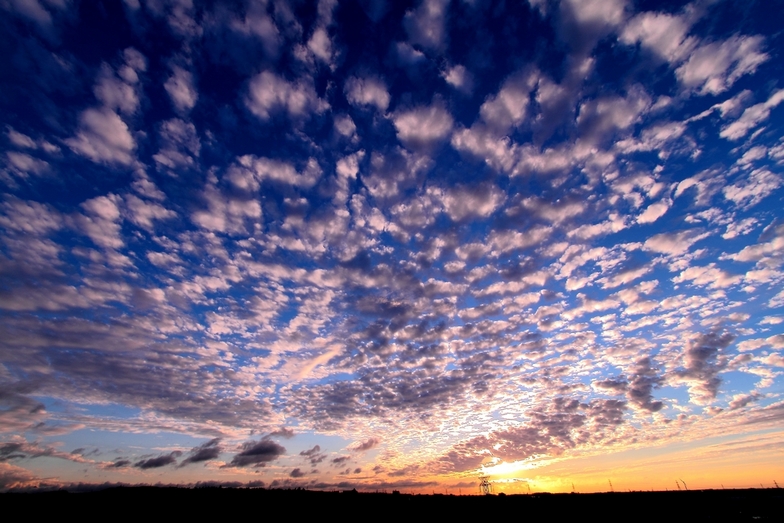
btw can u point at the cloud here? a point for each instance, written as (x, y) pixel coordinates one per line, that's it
(283, 432)
(26, 164)
(102, 221)
(407, 55)
(20, 140)
(654, 211)
(144, 213)
(772, 246)
(224, 213)
(481, 201)
(584, 22)
(752, 117)
(33, 10)
(204, 452)
(367, 91)
(13, 477)
(362, 446)
(115, 93)
(268, 93)
(508, 108)
(181, 89)
(713, 68)
(426, 24)
(674, 244)
(600, 117)
(702, 365)
(422, 127)
(459, 77)
(753, 189)
(662, 33)
(552, 430)
(311, 452)
(103, 137)
(158, 462)
(250, 171)
(345, 126)
(320, 45)
(257, 453)
(180, 146)
(257, 23)
(710, 276)
(640, 390)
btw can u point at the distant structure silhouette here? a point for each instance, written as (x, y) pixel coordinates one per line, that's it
(485, 487)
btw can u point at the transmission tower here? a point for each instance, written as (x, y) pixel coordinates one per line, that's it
(485, 487)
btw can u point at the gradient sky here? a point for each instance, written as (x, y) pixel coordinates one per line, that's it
(384, 245)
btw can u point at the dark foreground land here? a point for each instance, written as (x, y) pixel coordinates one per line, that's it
(158, 503)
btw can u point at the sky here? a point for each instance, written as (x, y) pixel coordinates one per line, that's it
(392, 245)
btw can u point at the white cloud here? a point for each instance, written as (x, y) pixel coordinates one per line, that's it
(144, 213)
(225, 214)
(345, 126)
(708, 184)
(259, 24)
(180, 145)
(26, 164)
(423, 126)
(29, 217)
(320, 45)
(103, 137)
(346, 169)
(772, 248)
(268, 93)
(31, 9)
(20, 140)
(181, 89)
(554, 212)
(102, 221)
(673, 243)
(367, 91)
(623, 277)
(509, 107)
(407, 55)
(657, 137)
(459, 77)
(597, 12)
(136, 61)
(750, 191)
(597, 118)
(752, 117)
(662, 33)
(710, 276)
(116, 94)
(741, 228)
(655, 211)
(614, 223)
(464, 201)
(584, 22)
(249, 171)
(499, 153)
(753, 154)
(714, 67)
(425, 25)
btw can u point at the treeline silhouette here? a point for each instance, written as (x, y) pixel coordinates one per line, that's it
(165, 502)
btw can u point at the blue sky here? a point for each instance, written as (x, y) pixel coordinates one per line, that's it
(388, 244)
